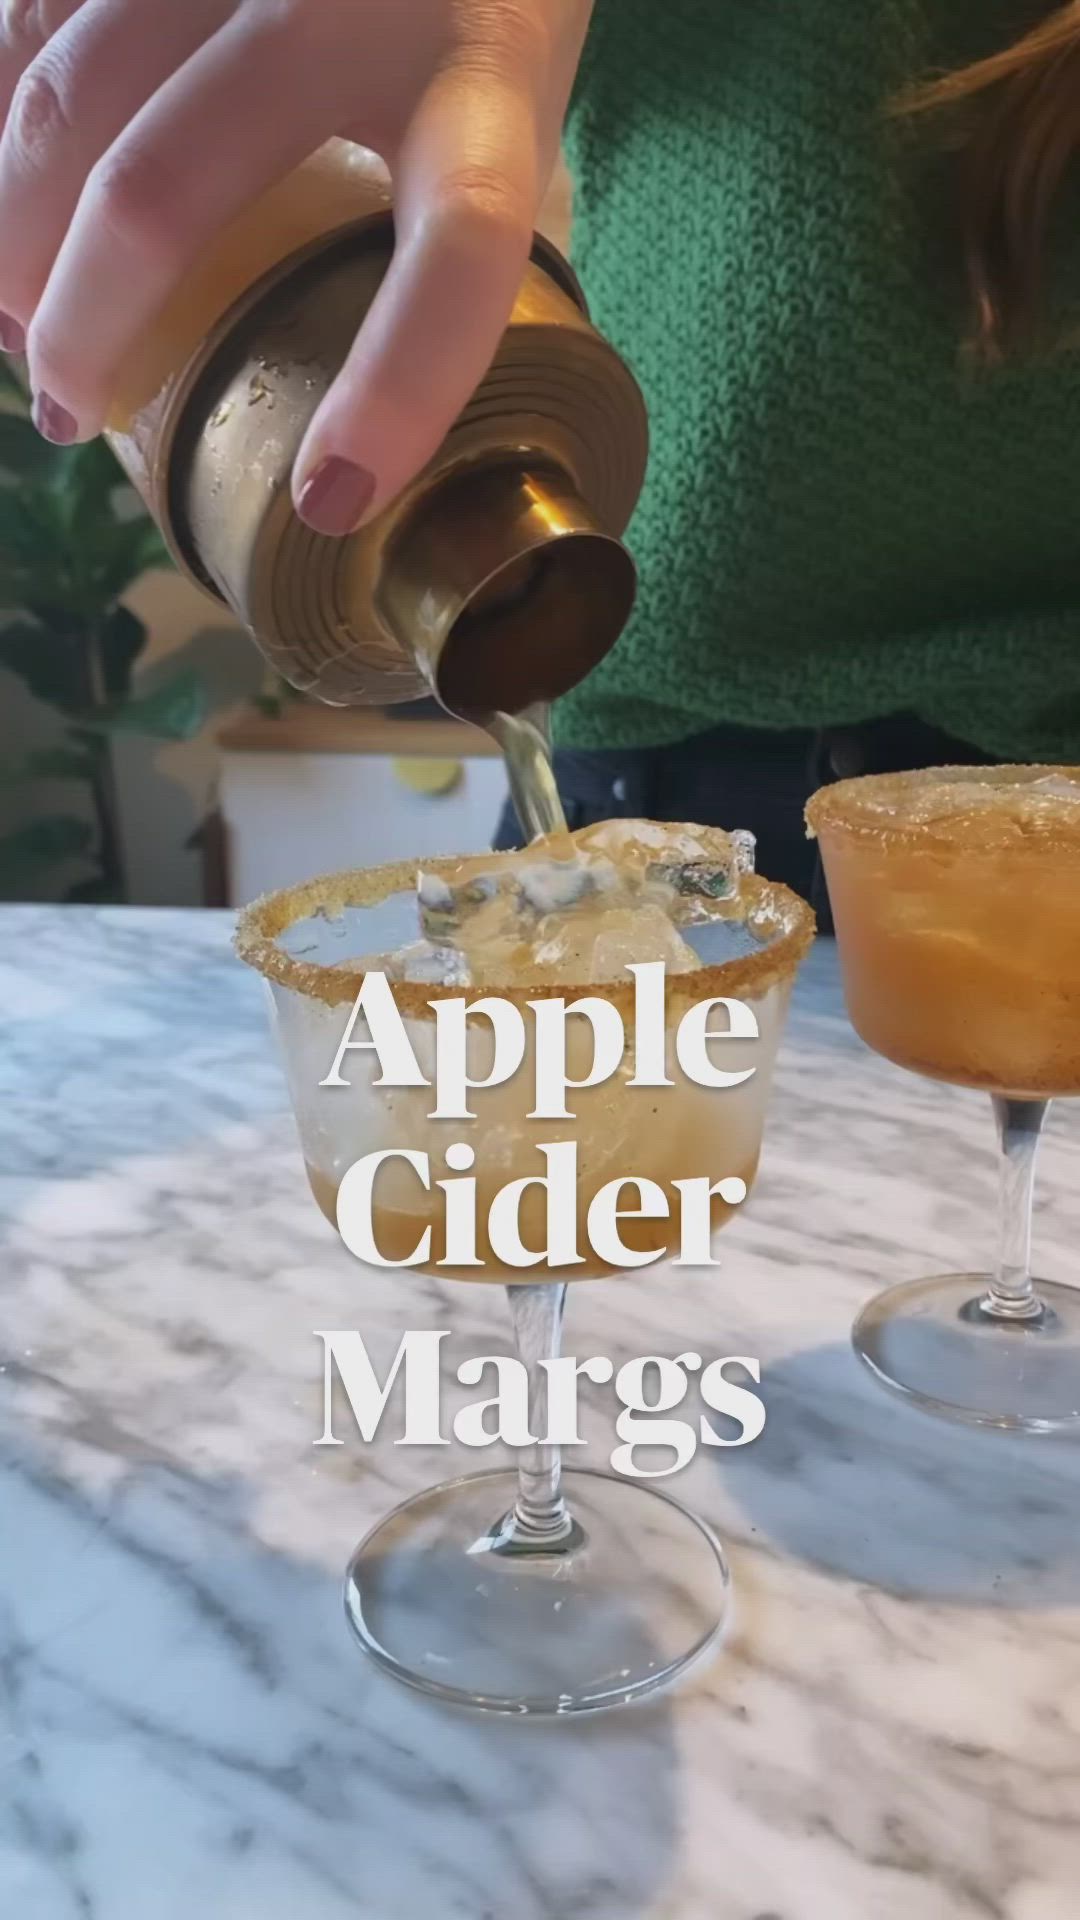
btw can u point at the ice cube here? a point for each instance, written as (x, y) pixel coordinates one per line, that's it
(634, 845)
(444, 908)
(598, 945)
(696, 879)
(744, 846)
(695, 890)
(433, 965)
(434, 895)
(548, 885)
(542, 917)
(635, 936)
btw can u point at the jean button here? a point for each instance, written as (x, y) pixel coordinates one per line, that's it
(618, 792)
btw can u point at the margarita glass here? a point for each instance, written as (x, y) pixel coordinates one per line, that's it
(535, 1591)
(956, 898)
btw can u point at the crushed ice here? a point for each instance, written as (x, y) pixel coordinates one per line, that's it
(628, 892)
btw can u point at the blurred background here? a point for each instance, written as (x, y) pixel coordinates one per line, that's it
(147, 754)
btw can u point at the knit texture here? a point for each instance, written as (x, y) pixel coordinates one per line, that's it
(843, 518)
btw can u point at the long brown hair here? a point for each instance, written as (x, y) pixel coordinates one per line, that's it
(1016, 145)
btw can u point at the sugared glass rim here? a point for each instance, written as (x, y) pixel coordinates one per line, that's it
(773, 907)
(871, 808)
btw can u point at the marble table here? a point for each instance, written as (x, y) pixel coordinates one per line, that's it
(892, 1729)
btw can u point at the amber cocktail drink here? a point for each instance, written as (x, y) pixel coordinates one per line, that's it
(535, 1591)
(956, 899)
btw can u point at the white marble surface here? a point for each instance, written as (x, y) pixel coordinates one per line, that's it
(892, 1731)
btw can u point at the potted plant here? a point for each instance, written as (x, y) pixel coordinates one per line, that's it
(74, 538)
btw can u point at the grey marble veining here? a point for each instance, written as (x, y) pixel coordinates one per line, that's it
(892, 1730)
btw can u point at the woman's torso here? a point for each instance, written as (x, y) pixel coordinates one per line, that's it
(843, 517)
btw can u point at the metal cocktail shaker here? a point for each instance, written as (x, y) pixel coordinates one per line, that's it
(497, 580)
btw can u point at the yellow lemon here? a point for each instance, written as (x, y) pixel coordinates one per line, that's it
(429, 776)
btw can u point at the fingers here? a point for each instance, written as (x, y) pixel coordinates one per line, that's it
(70, 104)
(200, 151)
(25, 28)
(467, 184)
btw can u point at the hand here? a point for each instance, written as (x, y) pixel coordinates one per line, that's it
(135, 130)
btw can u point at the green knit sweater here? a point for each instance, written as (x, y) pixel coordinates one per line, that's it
(842, 518)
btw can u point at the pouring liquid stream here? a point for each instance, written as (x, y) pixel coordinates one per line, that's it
(525, 742)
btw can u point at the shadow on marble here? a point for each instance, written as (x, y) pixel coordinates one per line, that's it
(854, 1482)
(186, 1726)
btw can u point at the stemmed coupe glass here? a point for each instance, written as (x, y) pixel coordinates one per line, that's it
(540, 1590)
(956, 899)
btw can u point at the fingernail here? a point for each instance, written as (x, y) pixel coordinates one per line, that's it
(336, 497)
(53, 421)
(12, 336)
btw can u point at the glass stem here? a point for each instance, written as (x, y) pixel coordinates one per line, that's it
(541, 1521)
(1011, 1295)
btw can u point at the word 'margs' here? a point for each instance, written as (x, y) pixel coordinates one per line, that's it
(388, 1036)
(509, 1415)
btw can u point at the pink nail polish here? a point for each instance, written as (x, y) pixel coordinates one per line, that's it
(53, 421)
(12, 336)
(337, 496)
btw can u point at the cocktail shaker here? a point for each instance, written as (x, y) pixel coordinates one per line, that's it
(498, 579)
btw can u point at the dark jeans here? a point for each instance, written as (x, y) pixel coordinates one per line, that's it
(744, 777)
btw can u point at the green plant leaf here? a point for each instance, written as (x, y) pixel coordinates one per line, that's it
(40, 573)
(83, 489)
(121, 638)
(57, 763)
(61, 763)
(56, 836)
(24, 455)
(12, 389)
(176, 710)
(120, 553)
(50, 763)
(41, 844)
(30, 528)
(84, 479)
(70, 546)
(47, 662)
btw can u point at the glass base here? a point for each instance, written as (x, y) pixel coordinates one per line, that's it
(932, 1341)
(640, 1593)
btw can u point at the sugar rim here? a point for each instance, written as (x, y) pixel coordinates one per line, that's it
(859, 807)
(259, 927)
